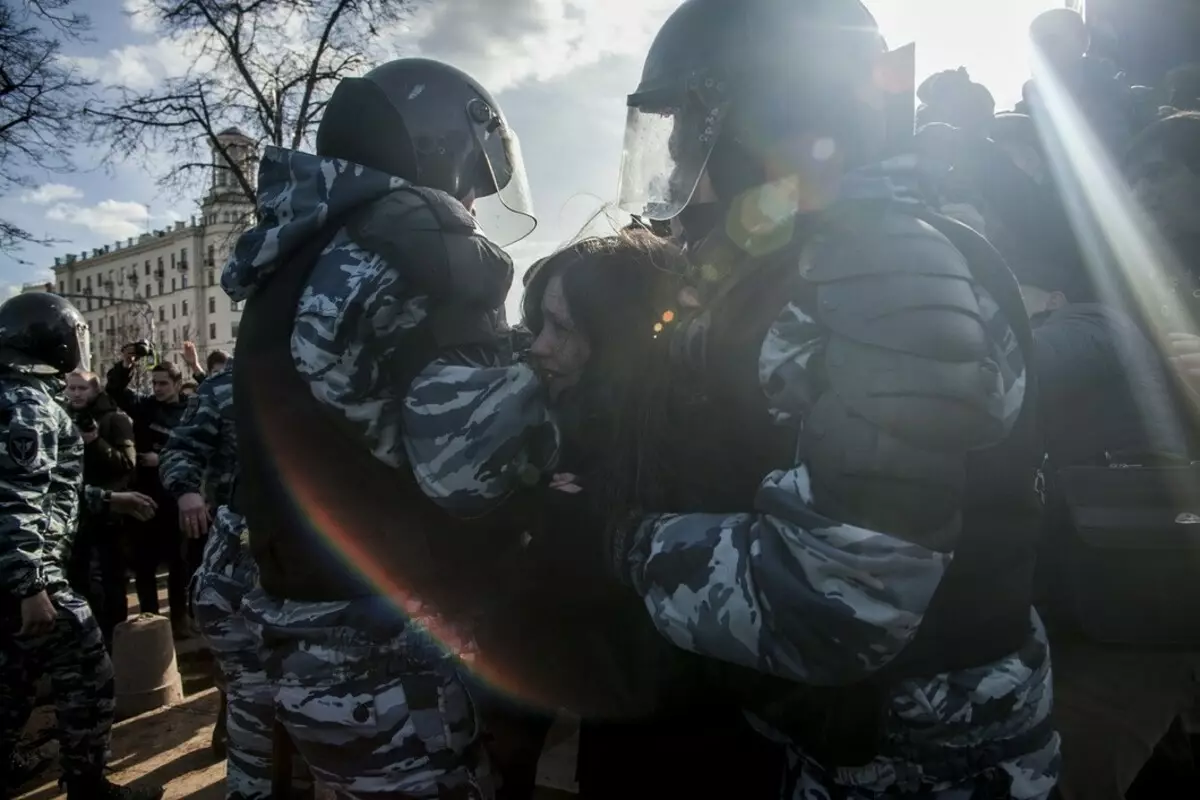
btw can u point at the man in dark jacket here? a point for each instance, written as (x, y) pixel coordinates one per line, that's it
(154, 416)
(109, 459)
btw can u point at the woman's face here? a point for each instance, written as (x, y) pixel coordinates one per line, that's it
(561, 350)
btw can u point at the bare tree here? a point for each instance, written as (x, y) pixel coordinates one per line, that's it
(276, 61)
(40, 98)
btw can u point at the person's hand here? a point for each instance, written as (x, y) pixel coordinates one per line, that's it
(566, 482)
(148, 459)
(90, 436)
(129, 355)
(37, 615)
(1184, 352)
(190, 357)
(193, 515)
(133, 504)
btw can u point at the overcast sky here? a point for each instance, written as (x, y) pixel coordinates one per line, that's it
(561, 69)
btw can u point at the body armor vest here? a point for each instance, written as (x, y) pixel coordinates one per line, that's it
(327, 520)
(980, 612)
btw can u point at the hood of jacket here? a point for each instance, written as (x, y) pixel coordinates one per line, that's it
(298, 196)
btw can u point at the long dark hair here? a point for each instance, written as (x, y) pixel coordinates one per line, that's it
(618, 289)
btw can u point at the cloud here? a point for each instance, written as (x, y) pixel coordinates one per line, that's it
(505, 43)
(140, 67)
(113, 219)
(49, 193)
(141, 15)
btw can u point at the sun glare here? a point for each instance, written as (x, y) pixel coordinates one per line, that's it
(988, 37)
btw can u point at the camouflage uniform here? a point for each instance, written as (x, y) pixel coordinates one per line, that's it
(201, 457)
(373, 703)
(41, 470)
(790, 592)
(201, 453)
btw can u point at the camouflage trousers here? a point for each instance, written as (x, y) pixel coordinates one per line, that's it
(227, 573)
(373, 705)
(81, 678)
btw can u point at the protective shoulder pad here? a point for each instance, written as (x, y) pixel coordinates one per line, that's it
(898, 284)
(889, 243)
(432, 240)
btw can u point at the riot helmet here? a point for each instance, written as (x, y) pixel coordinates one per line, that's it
(747, 73)
(435, 126)
(44, 334)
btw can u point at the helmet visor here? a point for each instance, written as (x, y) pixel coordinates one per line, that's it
(503, 205)
(667, 147)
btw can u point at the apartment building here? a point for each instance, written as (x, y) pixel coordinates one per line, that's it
(164, 285)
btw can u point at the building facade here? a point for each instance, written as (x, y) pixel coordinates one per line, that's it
(165, 286)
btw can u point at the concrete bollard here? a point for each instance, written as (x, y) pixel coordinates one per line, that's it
(146, 676)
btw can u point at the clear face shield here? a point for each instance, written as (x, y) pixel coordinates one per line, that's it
(503, 205)
(668, 141)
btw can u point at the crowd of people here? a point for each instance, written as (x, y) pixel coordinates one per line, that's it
(857, 466)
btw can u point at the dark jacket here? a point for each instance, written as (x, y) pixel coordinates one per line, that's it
(110, 459)
(152, 423)
(1103, 387)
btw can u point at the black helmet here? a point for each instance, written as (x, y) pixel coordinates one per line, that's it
(752, 70)
(43, 333)
(435, 126)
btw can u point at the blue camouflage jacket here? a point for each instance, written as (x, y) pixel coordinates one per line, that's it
(201, 453)
(776, 592)
(458, 413)
(41, 474)
(461, 423)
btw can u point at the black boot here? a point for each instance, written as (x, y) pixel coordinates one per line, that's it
(220, 736)
(24, 767)
(98, 787)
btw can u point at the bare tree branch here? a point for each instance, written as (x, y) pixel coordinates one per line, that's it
(274, 64)
(40, 98)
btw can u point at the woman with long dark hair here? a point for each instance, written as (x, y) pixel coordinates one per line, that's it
(651, 712)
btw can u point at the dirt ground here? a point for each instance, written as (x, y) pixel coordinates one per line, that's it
(170, 746)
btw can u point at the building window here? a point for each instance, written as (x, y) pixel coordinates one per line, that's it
(149, 291)
(147, 266)
(183, 257)
(174, 315)
(212, 331)
(212, 278)
(173, 286)
(212, 255)
(162, 314)
(212, 305)
(233, 328)
(183, 308)
(160, 264)
(78, 286)
(160, 287)
(183, 281)
(172, 261)
(62, 287)
(88, 281)
(233, 305)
